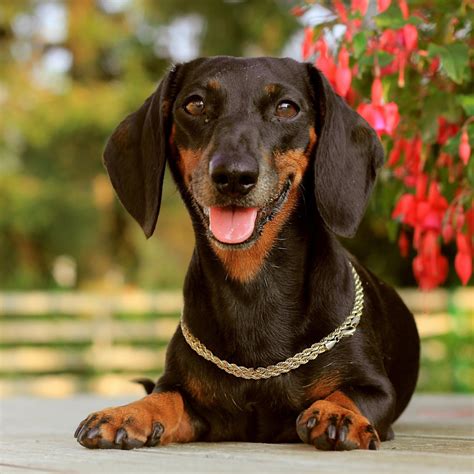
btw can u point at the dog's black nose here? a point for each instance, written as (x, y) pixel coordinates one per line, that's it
(233, 176)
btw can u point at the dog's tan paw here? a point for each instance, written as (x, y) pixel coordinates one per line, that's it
(330, 427)
(157, 419)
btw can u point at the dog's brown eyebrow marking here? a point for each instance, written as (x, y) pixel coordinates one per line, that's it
(214, 84)
(272, 89)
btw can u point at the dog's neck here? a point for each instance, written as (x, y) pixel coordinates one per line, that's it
(266, 315)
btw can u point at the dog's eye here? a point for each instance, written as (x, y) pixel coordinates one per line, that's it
(286, 109)
(194, 105)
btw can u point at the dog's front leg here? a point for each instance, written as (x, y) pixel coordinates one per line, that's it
(157, 419)
(336, 423)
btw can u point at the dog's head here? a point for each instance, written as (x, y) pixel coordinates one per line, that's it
(240, 135)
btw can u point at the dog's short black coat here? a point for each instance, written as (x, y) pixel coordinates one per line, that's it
(268, 133)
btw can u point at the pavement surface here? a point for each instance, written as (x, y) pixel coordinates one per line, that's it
(434, 435)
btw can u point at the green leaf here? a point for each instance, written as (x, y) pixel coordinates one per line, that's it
(384, 59)
(360, 43)
(454, 60)
(467, 103)
(392, 18)
(392, 230)
(470, 171)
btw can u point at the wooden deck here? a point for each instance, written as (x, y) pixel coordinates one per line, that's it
(435, 435)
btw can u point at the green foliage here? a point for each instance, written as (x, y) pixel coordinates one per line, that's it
(54, 196)
(454, 60)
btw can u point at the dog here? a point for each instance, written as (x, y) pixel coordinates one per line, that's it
(284, 336)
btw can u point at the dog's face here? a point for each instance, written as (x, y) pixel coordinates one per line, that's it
(243, 130)
(239, 135)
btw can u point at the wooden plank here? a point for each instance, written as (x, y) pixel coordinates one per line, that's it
(37, 303)
(101, 358)
(85, 330)
(159, 329)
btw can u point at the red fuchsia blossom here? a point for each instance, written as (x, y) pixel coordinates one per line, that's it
(430, 267)
(470, 222)
(382, 5)
(325, 63)
(422, 211)
(446, 130)
(400, 43)
(403, 244)
(447, 233)
(377, 92)
(426, 217)
(297, 11)
(464, 148)
(434, 66)
(343, 73)
(360, 6)
(383, 118)
(404, 8)
(341, 11)
(410, 37)
(463, 259)
(307, 48)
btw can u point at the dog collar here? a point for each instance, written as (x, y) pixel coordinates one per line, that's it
(346, 329)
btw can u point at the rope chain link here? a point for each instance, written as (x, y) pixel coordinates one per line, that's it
(346, 329)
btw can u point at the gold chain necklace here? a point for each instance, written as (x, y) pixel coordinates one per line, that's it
(346, 329)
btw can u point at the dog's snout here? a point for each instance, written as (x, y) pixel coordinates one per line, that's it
(233, 177)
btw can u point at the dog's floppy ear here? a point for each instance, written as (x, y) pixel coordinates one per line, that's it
(348, 154)
(135, 155)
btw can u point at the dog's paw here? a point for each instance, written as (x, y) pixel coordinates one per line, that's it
(119, 428)
(330, 427)
(157, 419)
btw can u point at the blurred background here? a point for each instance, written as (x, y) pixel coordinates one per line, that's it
(86, 302)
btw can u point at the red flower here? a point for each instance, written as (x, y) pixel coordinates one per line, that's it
(464, 148)
(395, 153)
(404, 8)
(463, 266)
(470, 221)
(383, 118)
(447, 233)
(403, 244)
(325, 63)
(341, 10)
(297, 11)
(343, 73)
(429, 266)
(405, 209)
(308, 46)
(377, 91)
(445, 130)
(382, 5)
(434, 66)
(463, 260)
(410, 35)
(360, 6)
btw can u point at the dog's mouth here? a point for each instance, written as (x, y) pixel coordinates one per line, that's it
(239, 227)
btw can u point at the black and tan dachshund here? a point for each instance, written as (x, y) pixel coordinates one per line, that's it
(272, 166)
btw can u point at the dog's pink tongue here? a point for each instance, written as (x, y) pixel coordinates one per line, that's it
(232, 225)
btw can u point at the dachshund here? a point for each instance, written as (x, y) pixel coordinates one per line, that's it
(284, 336)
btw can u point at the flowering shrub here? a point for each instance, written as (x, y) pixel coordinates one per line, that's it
(406, 69)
